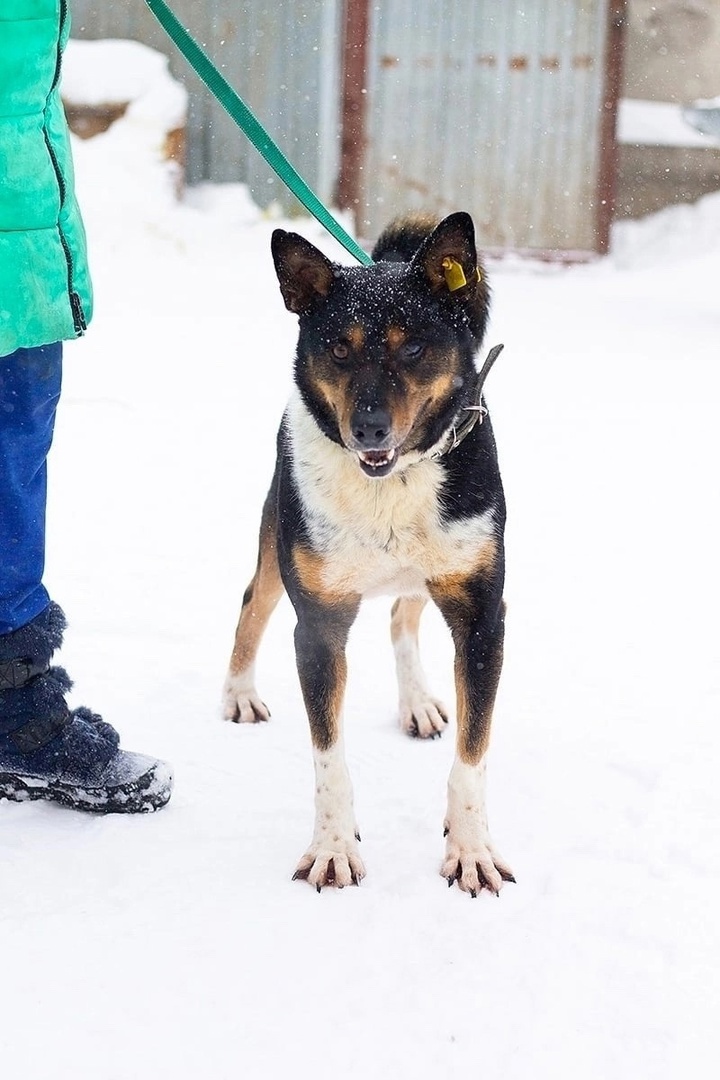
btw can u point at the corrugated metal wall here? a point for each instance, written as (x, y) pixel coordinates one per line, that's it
(491, 107)
(282, 57)
(496, 107)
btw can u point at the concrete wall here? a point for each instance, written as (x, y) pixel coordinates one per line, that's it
(672, 53)
(672, 50)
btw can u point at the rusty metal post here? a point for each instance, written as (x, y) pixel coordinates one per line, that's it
(607, 172)
(356, 30)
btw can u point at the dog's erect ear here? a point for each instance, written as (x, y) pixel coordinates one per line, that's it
(448, 258)
(304, 273)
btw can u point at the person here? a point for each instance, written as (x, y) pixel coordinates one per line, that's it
(47, 750)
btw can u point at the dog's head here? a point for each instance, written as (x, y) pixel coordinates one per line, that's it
(385, 352)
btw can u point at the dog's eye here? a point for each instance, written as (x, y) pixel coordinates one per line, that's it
(412, 350)
(340, 351)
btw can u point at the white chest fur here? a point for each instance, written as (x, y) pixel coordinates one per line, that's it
(384, 535)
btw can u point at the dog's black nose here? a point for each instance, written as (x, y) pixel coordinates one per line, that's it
(371, 428)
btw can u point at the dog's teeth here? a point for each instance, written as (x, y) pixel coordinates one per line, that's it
(376, 459)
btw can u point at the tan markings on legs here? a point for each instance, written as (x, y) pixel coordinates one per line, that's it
(310, 570)
(456, 589)
(420, 713)
(475, 709)
(309, 567)
(470, 856)
(320, 639)
(475, 687)
(476, 623)
(405, 617)
(241, 702)
(324, 704)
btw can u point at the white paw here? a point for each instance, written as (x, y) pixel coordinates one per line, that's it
(470, 858)
(475, 866)
(335, 863)
(422, 716)
(241, 702)
(333, 857)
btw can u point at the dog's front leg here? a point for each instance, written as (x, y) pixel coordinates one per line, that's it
(320, 637)
(476, 619)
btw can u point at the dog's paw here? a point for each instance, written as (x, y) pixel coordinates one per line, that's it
(241, 702)
(475, 866)
(423, 717)
(339, 865)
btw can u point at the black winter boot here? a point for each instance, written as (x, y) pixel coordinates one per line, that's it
(49, 752)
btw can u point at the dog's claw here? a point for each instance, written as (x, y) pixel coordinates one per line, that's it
(472, 878)
(325, 869)
(426, 721)
(446, 831)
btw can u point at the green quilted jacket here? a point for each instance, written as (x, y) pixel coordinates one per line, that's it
(45, 291)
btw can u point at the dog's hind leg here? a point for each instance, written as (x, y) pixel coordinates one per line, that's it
(421, 715)
(241, 702)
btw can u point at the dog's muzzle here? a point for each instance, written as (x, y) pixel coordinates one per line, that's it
(371, 434)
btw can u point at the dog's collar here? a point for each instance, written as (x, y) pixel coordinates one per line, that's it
(476, 410)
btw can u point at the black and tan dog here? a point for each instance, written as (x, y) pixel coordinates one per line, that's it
(385, 483)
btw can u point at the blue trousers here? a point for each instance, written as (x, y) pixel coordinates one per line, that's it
(30, 381)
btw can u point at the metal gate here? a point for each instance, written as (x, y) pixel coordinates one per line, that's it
(503, 109)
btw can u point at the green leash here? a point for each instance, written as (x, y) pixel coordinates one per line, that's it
(248, 123)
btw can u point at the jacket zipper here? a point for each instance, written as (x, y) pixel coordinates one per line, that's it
(78, 315)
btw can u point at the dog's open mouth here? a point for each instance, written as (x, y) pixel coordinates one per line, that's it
(377, 462)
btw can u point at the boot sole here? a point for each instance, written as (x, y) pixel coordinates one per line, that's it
(144, 795)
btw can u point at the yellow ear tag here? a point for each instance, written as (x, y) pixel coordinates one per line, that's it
(454, 275)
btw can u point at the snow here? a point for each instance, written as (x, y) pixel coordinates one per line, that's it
(176, 945)
(658, 123)
(118, 72)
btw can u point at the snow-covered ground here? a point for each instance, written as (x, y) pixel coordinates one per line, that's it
(176, 945)
(661, 123)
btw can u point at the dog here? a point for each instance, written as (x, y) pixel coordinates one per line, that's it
(386, 481)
